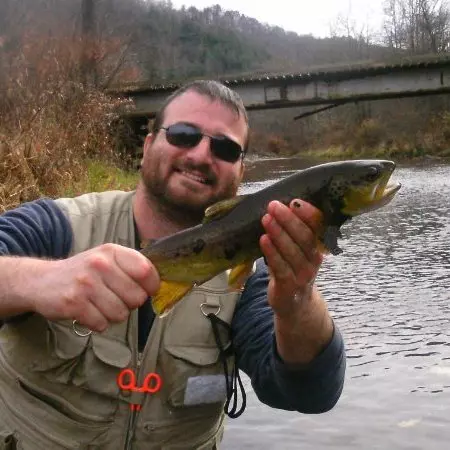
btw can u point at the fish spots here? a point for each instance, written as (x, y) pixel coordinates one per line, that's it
(231, 250)
(199, 245)
(338, 189)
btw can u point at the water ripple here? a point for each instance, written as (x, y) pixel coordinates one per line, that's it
(389, 294)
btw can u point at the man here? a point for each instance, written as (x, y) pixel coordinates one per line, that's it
(83, 361)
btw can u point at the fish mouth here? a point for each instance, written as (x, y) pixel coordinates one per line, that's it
(372, 196)
(384, 194)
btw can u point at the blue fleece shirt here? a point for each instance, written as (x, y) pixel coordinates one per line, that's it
(40, 229)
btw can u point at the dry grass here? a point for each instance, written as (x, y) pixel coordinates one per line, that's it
(52, 125)
(372, 138)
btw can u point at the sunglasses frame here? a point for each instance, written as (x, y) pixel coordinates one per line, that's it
(220, 146)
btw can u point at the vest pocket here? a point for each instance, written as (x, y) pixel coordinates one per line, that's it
(197, 377)
(199, 432)
(81, 371)
(43, 422)
(92, 362)
(195, 373)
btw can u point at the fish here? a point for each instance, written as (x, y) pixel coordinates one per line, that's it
(228, 237)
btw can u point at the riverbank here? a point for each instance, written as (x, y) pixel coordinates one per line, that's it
(339, 154)
(25, 178)
(342, 153)
(433, 147)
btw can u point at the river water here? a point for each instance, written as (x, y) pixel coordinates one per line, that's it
(389, 293)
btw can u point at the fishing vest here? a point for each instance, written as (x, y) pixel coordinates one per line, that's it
(60, 390)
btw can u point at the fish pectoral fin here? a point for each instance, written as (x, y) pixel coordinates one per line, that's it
(321, 247)
(239, 274)
(330, 239)
(222, 208)
(170, 293)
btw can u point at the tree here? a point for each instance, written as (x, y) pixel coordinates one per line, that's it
(417, 26)
(89, 37)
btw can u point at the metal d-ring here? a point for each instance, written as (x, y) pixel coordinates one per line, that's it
(78, 332)
(203, 305)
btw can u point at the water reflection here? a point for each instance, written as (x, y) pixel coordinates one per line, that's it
(389, 293)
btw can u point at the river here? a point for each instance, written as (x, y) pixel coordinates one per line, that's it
(389, 293)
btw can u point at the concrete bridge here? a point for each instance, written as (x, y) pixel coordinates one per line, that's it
(331, 87)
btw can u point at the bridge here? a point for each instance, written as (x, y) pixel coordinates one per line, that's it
(332, 87)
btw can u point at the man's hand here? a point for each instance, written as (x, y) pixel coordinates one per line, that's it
(291, 251)
(96, 287)
(303, 326)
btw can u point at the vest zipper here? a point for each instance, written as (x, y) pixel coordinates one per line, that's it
(130, 432)
(132, 418)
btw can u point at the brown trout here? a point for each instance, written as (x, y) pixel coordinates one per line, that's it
(228, 237)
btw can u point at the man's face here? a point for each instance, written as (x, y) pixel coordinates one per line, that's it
(191, 179)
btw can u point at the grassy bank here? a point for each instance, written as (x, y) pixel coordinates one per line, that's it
(406, 130)
(406, 154)
(64, 144)
(101, 176)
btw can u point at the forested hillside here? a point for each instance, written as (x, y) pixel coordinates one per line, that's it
(147, 40)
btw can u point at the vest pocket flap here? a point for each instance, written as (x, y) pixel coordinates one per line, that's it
(64, 342)
(111, 351)
(199, 356)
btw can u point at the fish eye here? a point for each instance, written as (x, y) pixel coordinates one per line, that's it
(372, 173)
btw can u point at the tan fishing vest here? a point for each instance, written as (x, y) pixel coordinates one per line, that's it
(59, 390)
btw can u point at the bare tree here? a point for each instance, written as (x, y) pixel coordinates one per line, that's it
(88, 37)
(417, 26)
(359, 36)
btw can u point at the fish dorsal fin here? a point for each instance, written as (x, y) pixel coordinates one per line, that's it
(222, 208)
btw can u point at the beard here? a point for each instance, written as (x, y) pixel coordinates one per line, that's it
(186, 211)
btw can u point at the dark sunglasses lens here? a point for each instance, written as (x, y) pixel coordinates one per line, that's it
(226, 149)
(182, 135)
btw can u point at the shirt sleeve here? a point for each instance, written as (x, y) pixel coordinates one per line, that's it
(37, 229)
(311, 388)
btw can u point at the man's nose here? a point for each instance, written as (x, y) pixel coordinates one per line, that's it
(202, 151)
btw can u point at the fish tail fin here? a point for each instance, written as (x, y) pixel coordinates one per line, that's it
(170, 293)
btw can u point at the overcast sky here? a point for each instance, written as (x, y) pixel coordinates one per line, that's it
(302, 16)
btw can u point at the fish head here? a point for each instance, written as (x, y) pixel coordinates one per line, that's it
(364, 186)
(351, 188)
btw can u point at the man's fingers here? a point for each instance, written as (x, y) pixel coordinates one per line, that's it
(301, 235)
(92, 288)
(278, 266)
(91, 318)
(114, 308)
(308, 213)
(139, 268)
(117, 285)
(283, 242)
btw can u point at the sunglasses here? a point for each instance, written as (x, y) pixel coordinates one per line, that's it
(183, 135)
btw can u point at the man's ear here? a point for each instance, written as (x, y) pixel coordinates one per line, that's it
(148, 141)
(147, 144)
